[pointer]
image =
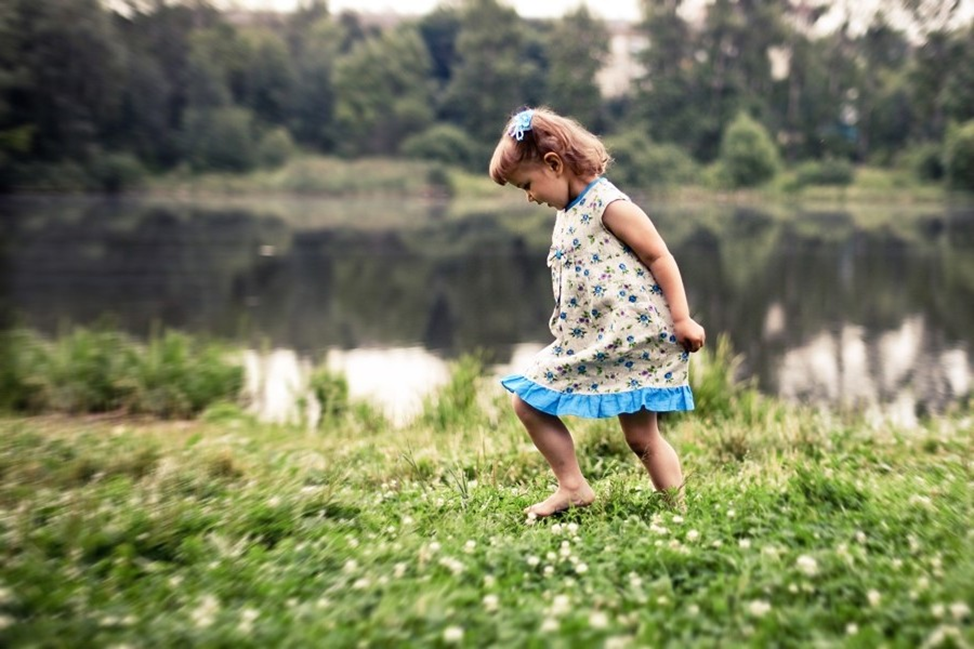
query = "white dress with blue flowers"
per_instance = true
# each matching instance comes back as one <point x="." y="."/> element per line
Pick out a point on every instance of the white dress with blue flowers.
<point x="614" y="350"/>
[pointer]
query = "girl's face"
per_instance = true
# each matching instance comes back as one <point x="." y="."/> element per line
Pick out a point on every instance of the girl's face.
<point x="543" y="183"/>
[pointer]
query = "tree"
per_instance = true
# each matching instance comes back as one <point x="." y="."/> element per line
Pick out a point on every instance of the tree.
<point x="314" y="49"/>
<point x="71" y="67"/>
<point x="577" y="49"/>
<point x="747" y="154"/>
<point x="384" y="93"/>
<point x="493" y="70"/>
<point x="667" y="99"/>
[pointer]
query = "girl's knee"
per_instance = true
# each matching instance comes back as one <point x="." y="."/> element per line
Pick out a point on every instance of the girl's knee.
<point x="521" y="408"/>
<point x="640" y="445"/>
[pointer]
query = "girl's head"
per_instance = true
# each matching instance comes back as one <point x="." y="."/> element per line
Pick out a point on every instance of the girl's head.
<point x="533" y="133"/>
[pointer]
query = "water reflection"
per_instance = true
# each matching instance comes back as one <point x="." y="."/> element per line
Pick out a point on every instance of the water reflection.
<point x="845" y="307"/>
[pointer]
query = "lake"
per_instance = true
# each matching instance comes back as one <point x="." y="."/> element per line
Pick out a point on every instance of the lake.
<point x="858" y="307"/>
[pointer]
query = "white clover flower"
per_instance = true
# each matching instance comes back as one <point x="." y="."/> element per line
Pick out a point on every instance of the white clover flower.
<point x="551" y="556"/>
<point x="581" y="568"/>
<point x="731" y="513"/>
<point x="361" y="584"/>
<point x="807" y="565"/>
<point x="874" y="597"/>
<point x="758" y="608"/>
<point x="470" y="546"/>
<point x="434" y="546"/>
<point x="556" y="529"/>
<point x="959" y="610"/>
<point x="533" y="561"/>
<point x="693" y="610"/>
<point x="491" y="603"/>
<point x="852" y="628"/>
<point x="489" y="581"/>
<point x="6" y="596"/>
<point x="247" y="617"/>
<point x="744" y="544"/>
<point x="598" y="620"/>
<point x="550" y="625"/>
<point x="572" y="528"/>
<point x="662" y="600"/>
<point x="350" y="565"/>
<point x="677" y="519"/>
<point x="561" y="605"/>
<point x="452" y="634"/>
<point x="938" y="610"/>
<point x="860" y="536"/>
<point x="693" y="535"/>
<point x="204" y="614"/>
<point x="717" y="544"/>
<point x="549" y="570"/>
<point x="399" y="570"/>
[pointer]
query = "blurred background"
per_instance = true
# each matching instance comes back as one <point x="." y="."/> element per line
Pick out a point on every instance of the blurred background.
<point x="307" y="180"/>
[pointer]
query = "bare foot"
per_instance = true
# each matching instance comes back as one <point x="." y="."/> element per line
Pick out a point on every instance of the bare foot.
<point x="562" y="500"/>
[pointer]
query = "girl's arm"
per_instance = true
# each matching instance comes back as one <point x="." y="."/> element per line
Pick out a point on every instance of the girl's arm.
<point x="635" y="229"/>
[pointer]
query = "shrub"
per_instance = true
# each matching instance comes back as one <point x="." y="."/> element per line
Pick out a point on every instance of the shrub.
<point x="444" y="143"/>
<point x="177" y="376"/>
<point x="275" y="148"/>
<point x="331" y="391"/>
<point x="638" y="162"/>
<point x="747" y="153"/>
<point x="456" y="402"/>
<point x="96" y="371"/>
<point x="825" y="172"/>
<point x="221" y="139"/>
<point x="926" y="161"/>
<point x="959" y="156"/>
<point x="116" y="172"/>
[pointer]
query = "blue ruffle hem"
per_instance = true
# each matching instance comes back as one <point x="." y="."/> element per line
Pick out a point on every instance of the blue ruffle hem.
<point x="598" y="406"/>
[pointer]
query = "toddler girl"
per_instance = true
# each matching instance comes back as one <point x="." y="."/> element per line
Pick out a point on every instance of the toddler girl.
<point x="621" y="323"/>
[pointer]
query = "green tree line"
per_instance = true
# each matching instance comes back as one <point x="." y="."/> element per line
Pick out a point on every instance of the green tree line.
<point x="95" y="95"/>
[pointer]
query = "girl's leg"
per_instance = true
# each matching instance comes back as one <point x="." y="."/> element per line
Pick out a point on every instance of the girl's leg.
<point x="552" y="438"/>
<point x="659" y="458"/>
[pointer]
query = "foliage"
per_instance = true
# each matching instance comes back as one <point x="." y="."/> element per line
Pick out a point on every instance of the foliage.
<point x="383" y="92"/>
<point x="747" y="154"/>
<point x="455" y="402"/>
<point x="275" y="148"/>
<point x="220" y="139"/>
<point x="447" y="144"/>
<point x="926" y="161"/>
<point x="169" y="83"/>
<point x="331" y="391"/>
<point x="825" y="172"/>
<point x="117" y="172"/>
<point x="959" y="156"/>
<point x="85" y="370"/>
<point x="641" y="163"/>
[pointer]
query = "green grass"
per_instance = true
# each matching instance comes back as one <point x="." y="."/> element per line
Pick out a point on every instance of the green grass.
<point x="801" y="528"/>
<point x="85" y="370"/>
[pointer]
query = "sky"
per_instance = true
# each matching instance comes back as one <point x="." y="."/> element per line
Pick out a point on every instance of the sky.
<point x="609" y="9"/>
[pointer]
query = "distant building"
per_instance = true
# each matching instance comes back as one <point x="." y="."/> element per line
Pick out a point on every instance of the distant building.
<point x="622" y="67"/>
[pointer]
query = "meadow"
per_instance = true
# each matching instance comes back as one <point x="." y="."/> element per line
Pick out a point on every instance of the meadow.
<point x="801" y="527"/>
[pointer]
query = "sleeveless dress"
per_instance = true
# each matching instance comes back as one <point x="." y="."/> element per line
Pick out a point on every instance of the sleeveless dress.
<point x="614" y="349"/>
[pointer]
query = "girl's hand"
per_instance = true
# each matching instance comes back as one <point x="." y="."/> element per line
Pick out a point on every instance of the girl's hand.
<point x="689" y="334"/>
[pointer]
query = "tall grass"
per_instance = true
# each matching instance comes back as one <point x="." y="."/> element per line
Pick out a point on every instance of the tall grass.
<point x="85" y="370"/>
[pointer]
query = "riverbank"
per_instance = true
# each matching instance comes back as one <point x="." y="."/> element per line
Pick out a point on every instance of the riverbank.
<point x="800" y="527"/>
<point x="335" y="177"/>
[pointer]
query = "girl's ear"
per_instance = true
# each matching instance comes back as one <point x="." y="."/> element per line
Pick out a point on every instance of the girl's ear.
<point x="554" y="162"/>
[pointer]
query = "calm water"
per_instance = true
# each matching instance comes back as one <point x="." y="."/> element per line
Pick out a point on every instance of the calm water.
<point x="865" y="308"/>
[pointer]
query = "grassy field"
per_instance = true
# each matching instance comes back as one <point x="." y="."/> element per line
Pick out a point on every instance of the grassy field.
<point x="801" y="528"/>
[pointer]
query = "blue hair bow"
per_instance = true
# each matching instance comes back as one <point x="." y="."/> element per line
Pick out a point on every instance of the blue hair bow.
<point x="520" y="124"/>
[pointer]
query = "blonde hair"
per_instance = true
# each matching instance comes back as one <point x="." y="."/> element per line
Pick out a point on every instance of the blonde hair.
<point x="579" y="149"/>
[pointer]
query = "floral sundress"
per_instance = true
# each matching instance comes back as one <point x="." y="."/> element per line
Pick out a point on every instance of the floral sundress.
<point x="614" y="349"/>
